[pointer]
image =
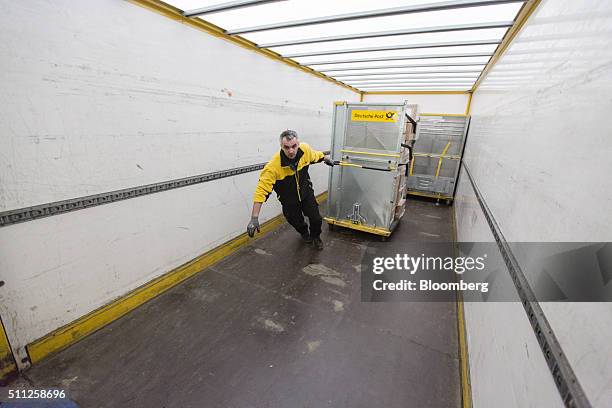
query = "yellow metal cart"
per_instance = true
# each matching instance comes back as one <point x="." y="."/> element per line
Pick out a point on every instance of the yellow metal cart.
<point x="370" y="145"/>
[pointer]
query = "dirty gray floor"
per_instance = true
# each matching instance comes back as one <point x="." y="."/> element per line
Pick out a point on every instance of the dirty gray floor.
<point x="278" y="324"/>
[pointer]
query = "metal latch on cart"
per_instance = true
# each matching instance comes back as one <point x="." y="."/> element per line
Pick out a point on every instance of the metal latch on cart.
<point x="356" y="217"/>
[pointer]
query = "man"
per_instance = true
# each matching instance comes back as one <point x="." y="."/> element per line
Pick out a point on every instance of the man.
<point x="287" y="174"/>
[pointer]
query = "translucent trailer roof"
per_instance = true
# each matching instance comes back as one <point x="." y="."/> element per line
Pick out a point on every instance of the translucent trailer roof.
<point x="388" y="45"/>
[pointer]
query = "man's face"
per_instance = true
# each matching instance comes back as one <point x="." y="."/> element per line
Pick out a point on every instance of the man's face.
<point x="290" y="147"/>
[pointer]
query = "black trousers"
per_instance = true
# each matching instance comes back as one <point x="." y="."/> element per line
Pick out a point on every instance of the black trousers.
<point x="294" y="213"/>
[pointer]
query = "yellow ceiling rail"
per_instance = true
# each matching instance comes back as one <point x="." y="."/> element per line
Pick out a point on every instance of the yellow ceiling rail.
<point x="523" y="15"/>
<point x="177" y="15"/>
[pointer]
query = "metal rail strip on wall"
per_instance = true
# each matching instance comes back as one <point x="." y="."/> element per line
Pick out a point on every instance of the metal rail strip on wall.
<point x="60" y="207"/>
<point x="64" y="206"/>
<point x="570" y="390"/>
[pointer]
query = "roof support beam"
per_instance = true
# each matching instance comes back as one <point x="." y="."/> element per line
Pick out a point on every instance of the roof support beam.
<point x="401" y="83"/>
<point x="396" y="47"/>
<point x="454" y="64"/>
<point x="455" y="79"/>
<point x="377" y="74"/>
<point x="410" y="86"/>
<point x="407" y="87"/>
<point x="401" y="58"/>
<point x="416" y="93"/>
<point x="424" y="30"/>
<point x="231" y="5"/>
<point x="420" y="8"/>
<point x="472" y="78"/>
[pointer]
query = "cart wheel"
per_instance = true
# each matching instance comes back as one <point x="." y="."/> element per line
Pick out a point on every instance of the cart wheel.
<point x="383" y="238"/>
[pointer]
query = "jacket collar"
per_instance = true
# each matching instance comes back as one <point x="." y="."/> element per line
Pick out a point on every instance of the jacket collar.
<point x="285" y="160"/>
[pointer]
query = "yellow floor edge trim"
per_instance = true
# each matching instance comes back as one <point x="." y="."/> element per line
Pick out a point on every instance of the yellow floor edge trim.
<point x="85" y="325"/>
<point x="464" y="368"/>
<point x="7" y="370"/>
<point x="466" y="387"/>
<point x="7" y="362"/>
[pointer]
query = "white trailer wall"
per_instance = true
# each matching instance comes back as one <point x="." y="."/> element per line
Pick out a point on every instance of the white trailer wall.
<point x="428" y="103"/>
<point x="108" y="95"/>
<point x="539" y="151"/>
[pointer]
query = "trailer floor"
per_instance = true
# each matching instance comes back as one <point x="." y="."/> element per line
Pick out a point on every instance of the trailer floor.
<point x="277" y="324"/>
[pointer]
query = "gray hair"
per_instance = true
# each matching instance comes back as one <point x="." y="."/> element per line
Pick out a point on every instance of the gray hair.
<point x="289" y="135"/>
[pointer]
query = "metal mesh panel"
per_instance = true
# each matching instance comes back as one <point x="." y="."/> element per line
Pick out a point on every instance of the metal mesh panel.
<point x="438" y="148"/>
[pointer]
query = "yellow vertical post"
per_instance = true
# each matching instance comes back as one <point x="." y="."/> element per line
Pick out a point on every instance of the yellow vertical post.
<point x="469" y="104"/>
<point x="361" y="96"/>
<point x="8" y="368"/>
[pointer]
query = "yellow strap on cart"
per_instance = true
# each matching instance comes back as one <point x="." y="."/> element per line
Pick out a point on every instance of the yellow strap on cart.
<point x="441" y="157"/>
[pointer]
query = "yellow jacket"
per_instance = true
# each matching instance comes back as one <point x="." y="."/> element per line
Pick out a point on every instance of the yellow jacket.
<point x="290" y="182"/>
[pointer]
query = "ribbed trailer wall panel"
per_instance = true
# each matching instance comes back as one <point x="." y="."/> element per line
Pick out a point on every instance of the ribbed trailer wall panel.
<point x="539" y="152"/>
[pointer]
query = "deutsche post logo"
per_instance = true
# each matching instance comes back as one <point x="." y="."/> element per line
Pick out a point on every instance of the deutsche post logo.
<point x="373" y="116"/>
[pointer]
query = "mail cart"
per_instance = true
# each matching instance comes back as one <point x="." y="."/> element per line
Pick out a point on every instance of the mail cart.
<point x="371" y="145"/>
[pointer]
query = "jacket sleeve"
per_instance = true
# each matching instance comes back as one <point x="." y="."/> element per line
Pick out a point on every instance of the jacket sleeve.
<point x="314" y="156"/>
<point x="267" y="178"/>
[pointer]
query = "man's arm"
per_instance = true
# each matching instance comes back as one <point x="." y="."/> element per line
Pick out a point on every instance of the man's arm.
<point x="256" y="209"/>
<point x="318" y="157"/>
<point x="267" y="178"/>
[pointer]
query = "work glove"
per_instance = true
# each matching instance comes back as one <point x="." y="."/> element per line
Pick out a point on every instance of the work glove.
<point x="253" y="225"/>
<point x="328" y="160"/>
